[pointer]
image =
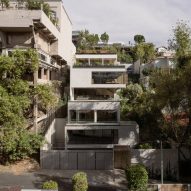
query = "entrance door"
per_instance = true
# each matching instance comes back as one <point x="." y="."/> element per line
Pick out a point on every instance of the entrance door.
<point x="121" y="157"/>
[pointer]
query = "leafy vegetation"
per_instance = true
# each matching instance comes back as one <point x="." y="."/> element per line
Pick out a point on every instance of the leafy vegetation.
<point x="139" y="39"/>
<point x="16" y="98"/>
<point x="18" y="143"/>
<point x="4" y="3"/>
<point x="79" y="182"/>
<point x="104" y="38"/>
<point x="137" y="178"/>
<point x="163" y="110"/>
<point x="145" y="52"/>
<point x="50" y="185"/>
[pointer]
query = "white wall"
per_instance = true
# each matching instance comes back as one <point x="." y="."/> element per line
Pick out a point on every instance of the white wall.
<point x="128" y="133"/>
<point x="65" y="46"/>
<point x="93" y="105"/>
<point x="151" y="158"/>
<point x="82" y="78"/>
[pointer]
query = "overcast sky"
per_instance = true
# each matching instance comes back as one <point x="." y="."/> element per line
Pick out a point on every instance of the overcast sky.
<point x="122" y="19"/>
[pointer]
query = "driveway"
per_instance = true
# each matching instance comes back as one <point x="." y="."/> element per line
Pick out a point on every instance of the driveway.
<point x="98" y="180"/>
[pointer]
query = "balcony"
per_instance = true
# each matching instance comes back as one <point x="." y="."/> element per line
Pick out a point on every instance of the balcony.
<point x="95" y="94"/>
<point x="23" y="20"/>
<point x="97" y="61"/>
<point x="94" y="112"/>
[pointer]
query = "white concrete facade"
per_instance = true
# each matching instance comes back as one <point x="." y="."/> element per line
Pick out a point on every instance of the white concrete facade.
<point x="91" y="117"/>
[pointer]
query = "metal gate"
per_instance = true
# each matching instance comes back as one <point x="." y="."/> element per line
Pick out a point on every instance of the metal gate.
<point x="77" y="160"/>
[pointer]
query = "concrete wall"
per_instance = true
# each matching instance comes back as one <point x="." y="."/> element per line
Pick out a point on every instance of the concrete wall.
<point x="60" y="132"/>
<point x="94" y="105"/>
<point x="151" y="158"/>
<point x="82" y="78"/>
<point x="128" y="133"/>
<point x="66" y="49"/>
<point x="55" y="134"/>
<point x="49" y="136"/>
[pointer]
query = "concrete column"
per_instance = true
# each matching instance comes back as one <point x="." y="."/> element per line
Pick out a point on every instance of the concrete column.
<point x="42" y="73"/>
<point x="77" y="115"/>
<point x="48" y="74"/>
<point x="102" y="61"/>
<point x="189" y="187"/>
<point x="65" y="138"/>
<point x="95" y="116"/>
<point x="35" y="104"/>
<point x="118" y="115"/>
<point x="69" y="116"/>
<point x="72" y="94"/>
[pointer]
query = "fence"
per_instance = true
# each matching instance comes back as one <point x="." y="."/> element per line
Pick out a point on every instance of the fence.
<point x="77" y="160"/>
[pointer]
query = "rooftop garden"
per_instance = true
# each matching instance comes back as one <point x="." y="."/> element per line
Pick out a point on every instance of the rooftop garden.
<point x="33" y="5"/>
<point x="89" y="43"/>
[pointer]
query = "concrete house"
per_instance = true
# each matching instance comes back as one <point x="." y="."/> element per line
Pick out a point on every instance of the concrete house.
<point x="94" y="108"/>
<point x="21" y="28"/>
<point x="93" y="137"/>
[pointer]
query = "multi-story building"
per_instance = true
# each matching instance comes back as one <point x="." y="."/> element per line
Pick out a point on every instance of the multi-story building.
<point x="21" y="28"/>
<point x="94" y="106"/>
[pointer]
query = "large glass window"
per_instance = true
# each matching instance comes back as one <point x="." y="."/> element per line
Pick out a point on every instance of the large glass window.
<point x="82" y="116"/>
<point x="94" y="94"/>
<point x="108" y="78"/>
<point x="93" y="136"/>
<point x="106" y="116"/>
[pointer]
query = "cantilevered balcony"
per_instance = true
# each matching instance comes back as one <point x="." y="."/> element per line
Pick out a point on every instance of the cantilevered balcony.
<point x="23" y="20"/>
<point x="94" y="112"/>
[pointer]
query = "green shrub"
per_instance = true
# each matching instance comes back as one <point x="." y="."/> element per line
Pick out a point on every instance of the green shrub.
<point x="79" y="182"/>
<point x="145" y="146"/>
<point x="137" y="178"/>
<point x="19" y="143"/>
<point x="50" y="185"/>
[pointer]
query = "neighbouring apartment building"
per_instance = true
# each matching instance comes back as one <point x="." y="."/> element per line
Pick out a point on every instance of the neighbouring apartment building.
<point x="21" y="28"/>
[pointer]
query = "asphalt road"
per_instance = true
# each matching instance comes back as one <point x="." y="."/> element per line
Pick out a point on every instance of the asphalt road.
<point x="34" y="180"/>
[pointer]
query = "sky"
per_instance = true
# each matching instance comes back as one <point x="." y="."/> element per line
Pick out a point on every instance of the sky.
<point x="122" y="19"/>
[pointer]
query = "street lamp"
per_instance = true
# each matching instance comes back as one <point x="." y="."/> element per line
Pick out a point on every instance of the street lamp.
<point x="162" y="165"/>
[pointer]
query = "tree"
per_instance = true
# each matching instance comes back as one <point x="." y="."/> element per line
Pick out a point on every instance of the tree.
<point x="4" y="3"/>
<point x="139" y="38"/>
<point x="104" y="38"/>
<point x="87" y="40"/>
<point x="16" y="98"/>
<point x="145" y="52"/>
<point x="181" y="41"/>
<point x="137" y="105"/>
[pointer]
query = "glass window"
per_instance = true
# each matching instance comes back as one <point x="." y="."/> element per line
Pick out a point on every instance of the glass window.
<point x="108" y="78"/>
<point x="106" y="116"/>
